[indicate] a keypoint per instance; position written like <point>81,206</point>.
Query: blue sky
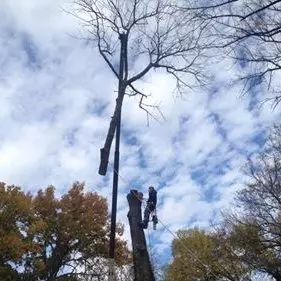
<point>57,98</point>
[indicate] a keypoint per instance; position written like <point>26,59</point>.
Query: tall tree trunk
<point>122,84</point>
<point>142,267</point>
<point>55,262</point>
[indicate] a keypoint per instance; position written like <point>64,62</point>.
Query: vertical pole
<point>114,198</point>
<point>119,100</point>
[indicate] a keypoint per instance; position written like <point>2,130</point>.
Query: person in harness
<point>150,208</point>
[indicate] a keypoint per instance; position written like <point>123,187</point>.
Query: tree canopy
<point>198,255</point>
<point>256,228</point>
<point>47,238</point>
<point>248,240</point>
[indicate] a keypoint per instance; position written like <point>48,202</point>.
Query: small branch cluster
<point>249,31</point>
<point>157,33</point>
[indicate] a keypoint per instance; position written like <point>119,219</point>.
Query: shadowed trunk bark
<point>142,267</point>
<point>55,262</point>
<point>105,151</point>
<point>276,275</point>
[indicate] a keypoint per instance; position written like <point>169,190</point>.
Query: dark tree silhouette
<point>255,230</point>
<point>249,31</point>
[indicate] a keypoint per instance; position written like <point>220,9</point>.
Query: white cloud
<point>55,113</point>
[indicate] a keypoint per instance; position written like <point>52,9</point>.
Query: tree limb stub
<point>142,266</point>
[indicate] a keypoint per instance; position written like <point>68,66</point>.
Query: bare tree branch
<point>249,31</point>
<point>156,34</point>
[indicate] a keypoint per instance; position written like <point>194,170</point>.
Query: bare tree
<point>136,36</point>
<point>250,32</point>
<point>255,231</point>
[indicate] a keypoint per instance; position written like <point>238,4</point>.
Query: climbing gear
<point>190,252</point>
<point>143,225</point>
<point>155,221</point>
<point>150,210</point>
<point>139,196</point>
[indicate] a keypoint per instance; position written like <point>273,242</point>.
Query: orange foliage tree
<point>54,239</point>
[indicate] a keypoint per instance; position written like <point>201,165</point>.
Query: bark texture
<point>142,266</point>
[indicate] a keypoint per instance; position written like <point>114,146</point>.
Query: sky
<point>57,97</point>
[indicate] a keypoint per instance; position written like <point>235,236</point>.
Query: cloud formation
<point>57,97</point>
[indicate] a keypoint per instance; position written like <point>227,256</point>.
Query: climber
<point>150,208</point>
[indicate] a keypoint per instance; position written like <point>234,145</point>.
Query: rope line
<point>149,248</point>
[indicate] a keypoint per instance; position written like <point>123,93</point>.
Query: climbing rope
<point>149,248</point>
<point>195,257</point>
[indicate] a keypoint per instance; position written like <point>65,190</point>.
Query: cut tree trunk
<point>142,266</point>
